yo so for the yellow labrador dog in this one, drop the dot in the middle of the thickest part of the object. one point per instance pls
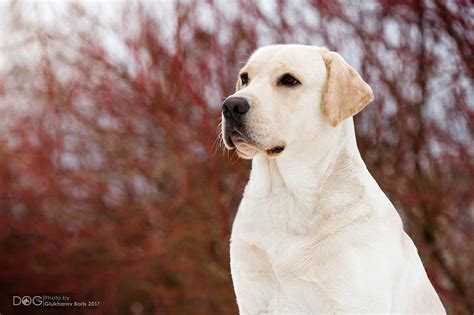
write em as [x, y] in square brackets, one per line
[314, 233]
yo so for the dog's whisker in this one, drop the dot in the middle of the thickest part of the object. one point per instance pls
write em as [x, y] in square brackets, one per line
[234, 158]
[218, 142]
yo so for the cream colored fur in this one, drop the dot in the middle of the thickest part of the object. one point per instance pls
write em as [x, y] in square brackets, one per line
[314, 233]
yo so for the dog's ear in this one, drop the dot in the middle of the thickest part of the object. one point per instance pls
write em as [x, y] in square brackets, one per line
[345, 93]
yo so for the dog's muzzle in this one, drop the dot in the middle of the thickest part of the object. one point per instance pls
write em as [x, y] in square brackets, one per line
[234, 111]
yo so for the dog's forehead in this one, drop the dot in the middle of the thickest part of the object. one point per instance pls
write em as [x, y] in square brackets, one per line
[303, 58]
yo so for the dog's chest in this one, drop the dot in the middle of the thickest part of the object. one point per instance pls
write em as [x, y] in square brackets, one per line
[277, 225]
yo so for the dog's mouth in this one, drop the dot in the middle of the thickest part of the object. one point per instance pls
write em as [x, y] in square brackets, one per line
[275, 151]
[234, 138]
[247, 148]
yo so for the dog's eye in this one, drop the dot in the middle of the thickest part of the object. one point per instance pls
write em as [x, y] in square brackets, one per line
[288, 80]
[244, 78]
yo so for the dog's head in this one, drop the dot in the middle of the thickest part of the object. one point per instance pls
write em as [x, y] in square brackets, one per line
[290, 93]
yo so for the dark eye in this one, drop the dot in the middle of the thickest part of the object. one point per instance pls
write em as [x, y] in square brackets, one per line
[244, 78]
[288, 80]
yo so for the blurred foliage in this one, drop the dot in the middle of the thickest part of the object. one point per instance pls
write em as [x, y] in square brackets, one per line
[113, 185]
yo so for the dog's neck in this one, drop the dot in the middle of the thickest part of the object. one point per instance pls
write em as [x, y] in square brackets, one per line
[306, 168]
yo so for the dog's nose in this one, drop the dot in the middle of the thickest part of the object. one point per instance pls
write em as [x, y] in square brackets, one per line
[235, 107]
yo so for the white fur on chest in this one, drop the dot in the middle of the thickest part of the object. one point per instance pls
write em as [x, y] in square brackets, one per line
[270, 224]
[307, 261]
[340, 248]
[293, 232]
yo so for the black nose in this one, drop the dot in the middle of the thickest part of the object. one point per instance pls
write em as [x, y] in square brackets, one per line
[235, 107]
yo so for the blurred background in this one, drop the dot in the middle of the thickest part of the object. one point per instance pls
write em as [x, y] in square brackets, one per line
[114, 186]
